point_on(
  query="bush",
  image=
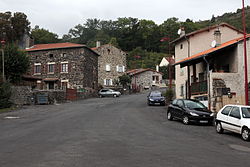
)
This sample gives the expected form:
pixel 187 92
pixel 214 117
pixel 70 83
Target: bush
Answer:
pixel 169 95
pixel 5 93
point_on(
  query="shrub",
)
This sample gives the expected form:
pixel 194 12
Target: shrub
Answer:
pixel 169 95
pixel 5 93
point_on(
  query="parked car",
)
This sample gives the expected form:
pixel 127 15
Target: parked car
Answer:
pixel 156 97
pixel 109 93
pixel 234 118
pixel 188 111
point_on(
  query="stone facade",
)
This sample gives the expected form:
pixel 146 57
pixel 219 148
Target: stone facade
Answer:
pixel 64 65
pixel 111 64
pixel 144 78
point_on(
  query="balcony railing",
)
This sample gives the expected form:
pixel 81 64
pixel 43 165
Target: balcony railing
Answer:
pixel 199 87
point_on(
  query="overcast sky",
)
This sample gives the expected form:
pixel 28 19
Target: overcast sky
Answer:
pixel 59 16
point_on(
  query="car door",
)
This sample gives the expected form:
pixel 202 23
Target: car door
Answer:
pixel 223 117
pixel 179 109
pixel 234 120
pixel 172 108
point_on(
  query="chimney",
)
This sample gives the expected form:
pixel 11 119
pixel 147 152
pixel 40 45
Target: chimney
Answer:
pixel 217 37
pixel 182 32
pixel 98 44
pixel 157 68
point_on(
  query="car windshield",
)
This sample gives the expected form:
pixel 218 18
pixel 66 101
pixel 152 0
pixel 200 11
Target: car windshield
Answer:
pixel 245 112
pixel 193 104
pixel 156 94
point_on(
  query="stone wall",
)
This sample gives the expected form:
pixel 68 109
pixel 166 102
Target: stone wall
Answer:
pixel 21 95
pixel 82 67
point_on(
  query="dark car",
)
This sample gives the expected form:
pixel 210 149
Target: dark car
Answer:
pixel 156 97
pixel 189 111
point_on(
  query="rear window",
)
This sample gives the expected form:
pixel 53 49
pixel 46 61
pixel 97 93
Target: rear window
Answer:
pixel 226 110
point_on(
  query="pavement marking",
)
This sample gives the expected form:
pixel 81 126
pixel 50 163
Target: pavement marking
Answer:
pixel 11 117
pixel 239 147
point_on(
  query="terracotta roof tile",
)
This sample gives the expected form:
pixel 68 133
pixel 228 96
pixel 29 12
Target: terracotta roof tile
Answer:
pixel 53 46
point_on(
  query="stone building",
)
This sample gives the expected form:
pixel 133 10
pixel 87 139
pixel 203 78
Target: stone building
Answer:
pixel 64 65
pixel 144 78
pixel 111 64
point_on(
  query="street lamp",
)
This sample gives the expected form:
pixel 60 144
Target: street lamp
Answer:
pixel 245 52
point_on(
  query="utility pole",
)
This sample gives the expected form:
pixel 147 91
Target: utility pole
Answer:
pixel 2 45
pixel 245 52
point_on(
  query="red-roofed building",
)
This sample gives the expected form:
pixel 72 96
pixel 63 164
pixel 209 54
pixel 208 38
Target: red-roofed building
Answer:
pixel 64 65
pixel 190 46
pixel 224 65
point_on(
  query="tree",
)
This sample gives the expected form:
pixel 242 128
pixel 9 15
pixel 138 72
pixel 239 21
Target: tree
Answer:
pixel 5 93
pixel 13 27
pixel 42 36
pixel 124 80
pixel 16 63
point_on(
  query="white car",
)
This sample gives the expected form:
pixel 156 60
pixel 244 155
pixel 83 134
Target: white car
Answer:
pixel 109 92
pixel 234 118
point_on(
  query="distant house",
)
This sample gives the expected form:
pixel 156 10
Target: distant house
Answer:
pixel 194 43
pixel 144 78
pixel 166 60
pixel 63 65
pixel 111 64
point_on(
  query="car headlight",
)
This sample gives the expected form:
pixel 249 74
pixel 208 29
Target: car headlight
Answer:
pixel 212 114
pixel 193 114
pixel 151 99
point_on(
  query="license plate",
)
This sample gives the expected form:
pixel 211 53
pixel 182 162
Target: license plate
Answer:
pixel 203 121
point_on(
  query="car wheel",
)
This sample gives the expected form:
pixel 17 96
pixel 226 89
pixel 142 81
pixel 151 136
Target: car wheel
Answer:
pixel 169 116
pixel 115 95
pixel 219 128
pixel 185 120
pixel 100 96
pixel 245 134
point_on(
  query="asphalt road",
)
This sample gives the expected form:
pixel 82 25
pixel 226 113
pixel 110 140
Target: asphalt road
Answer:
pixel 112 132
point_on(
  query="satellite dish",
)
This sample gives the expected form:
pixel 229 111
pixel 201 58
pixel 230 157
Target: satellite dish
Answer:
pixel 179 32
pixel 213 44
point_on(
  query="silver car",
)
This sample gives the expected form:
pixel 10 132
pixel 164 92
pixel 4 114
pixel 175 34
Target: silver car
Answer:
pixel 109 93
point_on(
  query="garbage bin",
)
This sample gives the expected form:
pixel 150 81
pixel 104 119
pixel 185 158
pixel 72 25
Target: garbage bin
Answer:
pixel 42 98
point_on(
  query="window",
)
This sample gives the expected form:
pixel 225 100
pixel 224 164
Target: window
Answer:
pixel 64 67
pixel 180 103
pixel 120 68
pixel 51 55
pixel 202 77
pixel 174 102
pixel 245 112
pixel 226 110
pixel 108 82
pixel 182 90
pixel 51 67
pixel 181 46
pixel 64 84
pixel 107 67
pixel 181 71
pixel 235 112
pixel 37 68
pixel 51 85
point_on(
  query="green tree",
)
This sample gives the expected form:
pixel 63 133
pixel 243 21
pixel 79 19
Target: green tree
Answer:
pixel 13 26
pixel 124 80
pixel 42 36
pixel 16 63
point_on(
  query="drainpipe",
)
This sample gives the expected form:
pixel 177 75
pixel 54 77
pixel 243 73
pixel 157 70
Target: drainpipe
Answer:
pixel 208 83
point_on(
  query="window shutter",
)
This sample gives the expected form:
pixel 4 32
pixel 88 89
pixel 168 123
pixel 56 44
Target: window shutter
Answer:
pixel 60 67
pixel 46 68
pixel 33 69
pixel 104 82
pixel 69 67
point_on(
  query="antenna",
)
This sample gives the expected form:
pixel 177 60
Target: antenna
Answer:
pixel 179 32
pixel 213 43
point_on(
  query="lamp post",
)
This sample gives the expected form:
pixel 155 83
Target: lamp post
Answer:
pixel 245 52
